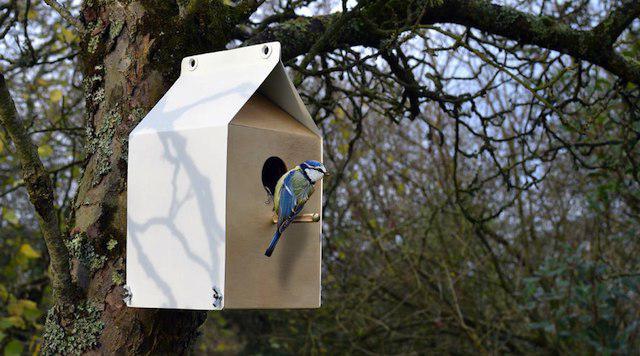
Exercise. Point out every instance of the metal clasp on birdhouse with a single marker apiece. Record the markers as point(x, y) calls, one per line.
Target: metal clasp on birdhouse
point(217, 297)
point(302, 218)
point(127, 295)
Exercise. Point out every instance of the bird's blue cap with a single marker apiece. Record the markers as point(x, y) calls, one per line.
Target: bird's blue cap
point(312, 163)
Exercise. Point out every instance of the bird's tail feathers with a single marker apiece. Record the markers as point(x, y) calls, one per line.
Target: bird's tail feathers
point(273, 243)
point(280, 229)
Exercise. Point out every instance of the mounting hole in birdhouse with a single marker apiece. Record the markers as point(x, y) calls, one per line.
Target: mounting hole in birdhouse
point(192, 63)
point(265, 51)
point(272, 170)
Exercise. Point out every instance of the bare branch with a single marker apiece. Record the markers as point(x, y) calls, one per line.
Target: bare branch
point(406, 78)
point(372, 25)
point(64, 12)
point(301, 33)
point(618, 20)
point(248, 7)
point(40, 190)
point(541, 31)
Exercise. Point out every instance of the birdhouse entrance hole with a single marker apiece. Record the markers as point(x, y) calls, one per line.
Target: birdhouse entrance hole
point(230, 119)
point(272, 170)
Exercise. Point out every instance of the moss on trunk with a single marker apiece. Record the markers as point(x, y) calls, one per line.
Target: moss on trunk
point(131, 55)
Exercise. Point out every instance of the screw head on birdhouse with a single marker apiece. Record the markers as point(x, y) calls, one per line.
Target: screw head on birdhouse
point(200, 164)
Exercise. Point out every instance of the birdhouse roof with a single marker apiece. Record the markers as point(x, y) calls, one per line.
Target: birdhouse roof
point(213, 87)
point(180, 157)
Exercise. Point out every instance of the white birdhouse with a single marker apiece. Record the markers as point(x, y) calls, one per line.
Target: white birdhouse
point(197, 218)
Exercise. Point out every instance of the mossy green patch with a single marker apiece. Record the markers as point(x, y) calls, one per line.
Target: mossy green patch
point(81, 249)
point(201, 25)
point(100, 143)
point(117, 278)
point(93, 44)
point(111, 244)
point(115, 28)
point(81, 332)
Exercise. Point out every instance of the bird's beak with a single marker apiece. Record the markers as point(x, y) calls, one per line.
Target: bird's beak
point(327, 174)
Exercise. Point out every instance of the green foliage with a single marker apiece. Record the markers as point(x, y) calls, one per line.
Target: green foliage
point(16, 317)
point(582, 304)
point(13, 348)
point(23, 295)
point(9, 215)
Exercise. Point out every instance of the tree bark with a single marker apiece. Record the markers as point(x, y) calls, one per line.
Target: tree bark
point(131, 56)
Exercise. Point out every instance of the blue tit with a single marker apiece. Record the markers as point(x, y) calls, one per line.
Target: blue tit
point(292, 191)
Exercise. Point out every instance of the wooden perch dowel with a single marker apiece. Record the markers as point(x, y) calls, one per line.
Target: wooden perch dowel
point(302, 218)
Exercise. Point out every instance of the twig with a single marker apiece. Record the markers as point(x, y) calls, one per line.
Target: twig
point(40, 190)
point(64, 12)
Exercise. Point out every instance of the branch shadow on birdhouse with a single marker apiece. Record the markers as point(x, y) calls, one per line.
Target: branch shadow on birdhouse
point(199, 164)
point(169, 219)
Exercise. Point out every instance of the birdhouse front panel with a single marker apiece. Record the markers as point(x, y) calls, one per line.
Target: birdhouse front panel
point(176, 218)
point(290, 278)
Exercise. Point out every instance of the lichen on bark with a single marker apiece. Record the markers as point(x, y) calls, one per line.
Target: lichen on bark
point(74, 334)
point(81, 249)
point(99, 144)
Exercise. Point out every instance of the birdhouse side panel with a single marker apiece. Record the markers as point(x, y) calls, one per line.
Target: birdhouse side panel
point(290, 278)
point(176, 218)
point(259, 112)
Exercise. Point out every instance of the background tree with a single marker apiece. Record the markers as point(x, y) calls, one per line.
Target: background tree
point(486, 195)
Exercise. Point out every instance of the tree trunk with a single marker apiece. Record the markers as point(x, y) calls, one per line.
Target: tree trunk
point(131, 55)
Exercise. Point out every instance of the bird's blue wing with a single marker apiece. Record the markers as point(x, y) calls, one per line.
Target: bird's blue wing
point(288, 201)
